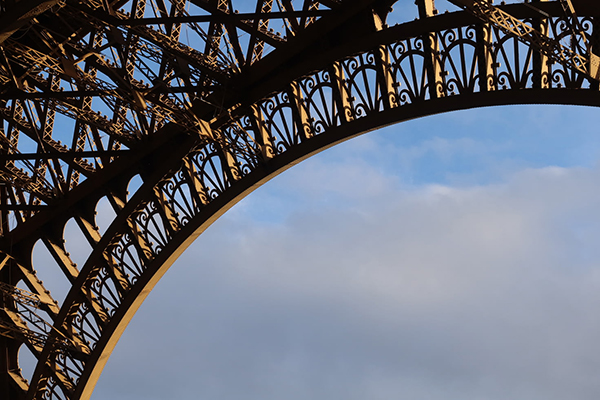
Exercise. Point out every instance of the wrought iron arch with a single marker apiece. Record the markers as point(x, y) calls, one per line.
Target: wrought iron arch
point(203, 122)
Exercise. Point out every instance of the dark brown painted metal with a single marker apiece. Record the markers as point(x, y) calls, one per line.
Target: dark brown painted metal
point(200, 124)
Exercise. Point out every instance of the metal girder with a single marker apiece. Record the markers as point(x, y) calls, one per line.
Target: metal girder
point(244, 25)
point(96, 95)
point(587, 63)
point(145, 30)
point(20, 321)
point(223, 18)
point(21, 13)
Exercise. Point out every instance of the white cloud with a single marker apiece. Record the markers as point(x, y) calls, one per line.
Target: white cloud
point(436, 292)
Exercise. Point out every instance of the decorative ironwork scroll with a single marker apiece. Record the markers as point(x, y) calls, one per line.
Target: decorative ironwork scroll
point(201, 122)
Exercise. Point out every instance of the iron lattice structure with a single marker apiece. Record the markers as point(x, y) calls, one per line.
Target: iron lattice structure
point(172, 110)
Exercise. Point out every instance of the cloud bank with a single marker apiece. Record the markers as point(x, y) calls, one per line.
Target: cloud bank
point(360, 286)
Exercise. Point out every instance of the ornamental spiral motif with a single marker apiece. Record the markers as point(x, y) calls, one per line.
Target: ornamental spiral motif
point(202, 104)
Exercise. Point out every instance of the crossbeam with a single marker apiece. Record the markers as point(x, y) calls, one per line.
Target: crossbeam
point(20, 13)
point(221, 18)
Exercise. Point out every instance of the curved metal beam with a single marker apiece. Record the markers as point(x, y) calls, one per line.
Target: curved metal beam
point(347, 75)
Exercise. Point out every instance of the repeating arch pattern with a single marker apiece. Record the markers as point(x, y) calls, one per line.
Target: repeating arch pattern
point(216, 155)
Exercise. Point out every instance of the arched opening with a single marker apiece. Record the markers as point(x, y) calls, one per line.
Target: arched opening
point(450, 257)
point(105, 214)
point(27, 362)
point(48, 272)
point(78, 247)
point(134, 184)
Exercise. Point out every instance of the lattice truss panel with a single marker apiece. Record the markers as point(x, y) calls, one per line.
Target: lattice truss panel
point(86, 79)
point(170, 112)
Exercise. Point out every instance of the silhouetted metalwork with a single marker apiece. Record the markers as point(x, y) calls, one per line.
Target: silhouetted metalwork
point(171, 111)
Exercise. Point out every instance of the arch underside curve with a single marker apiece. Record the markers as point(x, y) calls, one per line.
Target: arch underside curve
point(433, 65)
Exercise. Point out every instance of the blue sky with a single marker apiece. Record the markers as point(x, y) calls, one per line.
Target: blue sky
point(451, 257)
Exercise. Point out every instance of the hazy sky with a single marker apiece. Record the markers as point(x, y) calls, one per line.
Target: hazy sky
point(452, 257)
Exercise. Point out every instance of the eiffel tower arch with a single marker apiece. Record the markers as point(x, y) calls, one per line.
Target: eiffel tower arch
point(198, 103)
